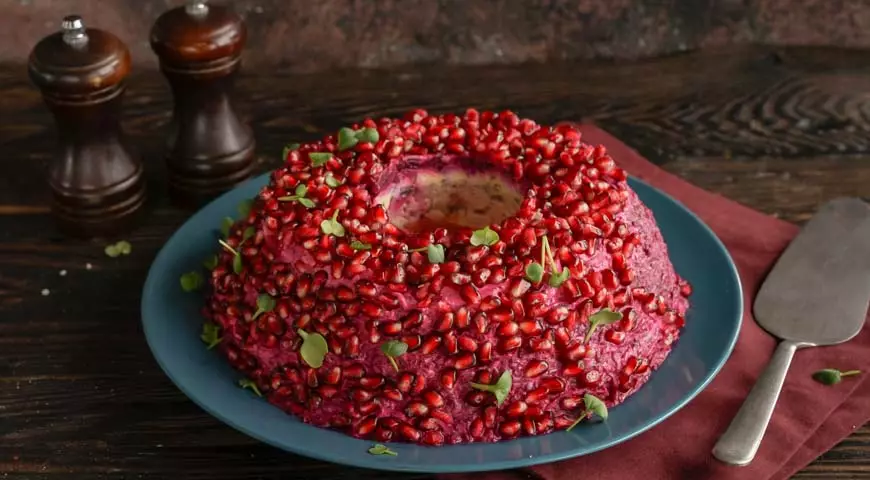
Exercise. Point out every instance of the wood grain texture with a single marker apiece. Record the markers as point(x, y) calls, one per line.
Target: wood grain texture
point(320, 35)
point(80, 395)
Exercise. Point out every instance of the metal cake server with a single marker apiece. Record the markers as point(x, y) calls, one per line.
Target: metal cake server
point(817, 294)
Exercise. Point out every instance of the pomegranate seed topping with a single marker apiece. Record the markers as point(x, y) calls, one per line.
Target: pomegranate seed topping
point(481, 323)
point(508, 329)
point(614, 336)
point(476, 428)
point(591, 377)
point(485, 353)
point(391, 328)
point(403, 383)
point(433, 437)
point(462, 318)
point(371, 382)
point(537, 394)
point(412, 341)
point(642, 367)
point(553, 384)
point(416, 409)
point(573, 369)
point(685, 289)
point(519, 287)
point(409, 432)
point(475, 398)
point(470, 294)
point(354, 371)
point(467, 344)
point(466, 360)
point(536, 368)
point(516, 409)
point(575, 351)
point(366, 426)
point(391, 393)
point(433, 399)
point(510, 428)
point(509, 344)
point(443, 416)
point(359, 395)
point(328, 391)
point(450, 343)
point(448, 378)
point(372, 310)
point(446, 322)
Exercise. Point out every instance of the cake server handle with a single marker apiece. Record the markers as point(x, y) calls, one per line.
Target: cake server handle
point(741, 440)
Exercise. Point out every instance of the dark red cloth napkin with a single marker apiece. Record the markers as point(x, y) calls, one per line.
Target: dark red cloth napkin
point(809, 419)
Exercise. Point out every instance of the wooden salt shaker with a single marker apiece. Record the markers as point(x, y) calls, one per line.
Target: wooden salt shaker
point(210, 149)
point(95, 178)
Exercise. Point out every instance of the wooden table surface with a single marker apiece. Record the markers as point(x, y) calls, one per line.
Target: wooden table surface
point(781, 130)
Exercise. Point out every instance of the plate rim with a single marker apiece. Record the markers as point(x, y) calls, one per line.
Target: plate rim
point(303, 450)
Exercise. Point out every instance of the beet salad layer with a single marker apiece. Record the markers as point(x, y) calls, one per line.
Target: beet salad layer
point(443, 279)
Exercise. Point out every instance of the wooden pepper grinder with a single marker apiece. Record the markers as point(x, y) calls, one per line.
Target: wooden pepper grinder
point(95, 178)
point(210, 149)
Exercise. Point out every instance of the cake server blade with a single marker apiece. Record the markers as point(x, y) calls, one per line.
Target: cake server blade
point(817, 294)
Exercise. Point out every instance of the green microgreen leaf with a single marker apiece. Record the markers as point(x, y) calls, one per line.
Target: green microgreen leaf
point(289, 148)
point(332, 226)
point(393, 349)
point(306, 203)
point(226, 226)
point(249, 384)
point(301, 190)
point(484, 236)
point(265, 303)
point(210, 334)
point(299, 196)
point(435, 252)
point(245, 208)
point(535, 272)
point(832, 376)
point(314, 348)
point(368, 134)
point(191, 281)
point(357, 245)
point(557, 279)
point(237, 264)
point(211, 262)
point(346, 139)
point(331, 181)
point(605, 316)
point(122, 247)
point(380, 449)
point(248, 233)
point(319, 159)
point(593, 405)
point(500, 388)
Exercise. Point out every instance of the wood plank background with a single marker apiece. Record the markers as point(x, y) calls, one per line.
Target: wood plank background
point(781, 130)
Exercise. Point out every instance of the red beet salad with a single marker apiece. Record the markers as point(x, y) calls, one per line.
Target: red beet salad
point(445, 279)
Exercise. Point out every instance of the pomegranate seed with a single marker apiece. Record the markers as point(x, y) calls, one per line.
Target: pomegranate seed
point(391, 328)
point(508, 329)
point(508, 344)
point(510, 428)
point(614, 336)
point(428, 424)
point(630, 365)
point(642, 367)
point(354, 371)
point(403, 383)
point(476, 429)
point(412, 341)
point(372, 310)
point(433, 437)
point(332, 376)
point(591, 378)
point(470, 294)
point(371, 382)
point(573, 369)
point(475, 398)
point(430, 344)
point(530, 327)
point(443, 416)
point(467, 344)
point(366, 426)
point(450, 343)
point(537, 395)
point(393, 394)
point(448, 378)
point(409, 432)
point(536, 368)
point(485, 353)
point(464, 361)
point(519, 287)
point(575, 351)
point(553, 384)
point(685, 289)
point(433, 399)
point(359, 395)
point(516, 409)
point(446, 322)
point(462, 318)
point(481, 323)
point(416, 409)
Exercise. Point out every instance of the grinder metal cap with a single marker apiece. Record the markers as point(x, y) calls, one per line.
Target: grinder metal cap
point(198, 35)
point(78, 61)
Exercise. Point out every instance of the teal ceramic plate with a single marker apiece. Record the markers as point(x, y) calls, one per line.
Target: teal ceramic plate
point(172, 322)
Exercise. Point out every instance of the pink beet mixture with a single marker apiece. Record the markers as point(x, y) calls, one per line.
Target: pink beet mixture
point(536, 335)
